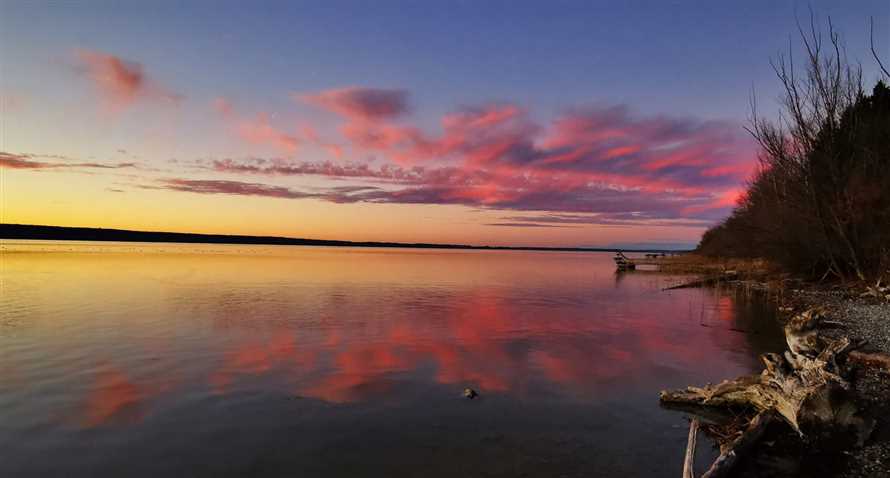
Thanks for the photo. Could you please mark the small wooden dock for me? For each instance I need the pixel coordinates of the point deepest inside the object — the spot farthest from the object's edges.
(625, 263)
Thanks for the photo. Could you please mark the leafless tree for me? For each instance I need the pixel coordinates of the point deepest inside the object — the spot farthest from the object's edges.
(820, 200)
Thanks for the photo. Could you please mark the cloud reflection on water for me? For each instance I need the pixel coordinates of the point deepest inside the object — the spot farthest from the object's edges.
(353, 326)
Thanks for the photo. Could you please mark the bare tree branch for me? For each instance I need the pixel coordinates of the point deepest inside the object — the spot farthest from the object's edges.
(873, 52)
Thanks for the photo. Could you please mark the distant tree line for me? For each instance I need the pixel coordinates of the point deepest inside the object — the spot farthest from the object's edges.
(819, 204)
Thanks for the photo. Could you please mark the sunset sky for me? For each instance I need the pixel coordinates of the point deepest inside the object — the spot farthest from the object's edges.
(501, 123)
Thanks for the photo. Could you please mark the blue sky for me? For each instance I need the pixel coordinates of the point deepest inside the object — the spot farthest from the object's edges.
(687, 64)
(697, 57)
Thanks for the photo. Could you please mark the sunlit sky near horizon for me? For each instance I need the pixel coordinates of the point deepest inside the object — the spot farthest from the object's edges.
(500, 123)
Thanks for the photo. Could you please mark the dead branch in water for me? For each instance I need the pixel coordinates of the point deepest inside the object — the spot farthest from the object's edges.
(739, 447)
(689, 461)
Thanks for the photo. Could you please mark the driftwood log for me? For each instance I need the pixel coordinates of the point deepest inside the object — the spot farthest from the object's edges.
(874, 360)
(706, 281)
(804, 387)
(739, 447)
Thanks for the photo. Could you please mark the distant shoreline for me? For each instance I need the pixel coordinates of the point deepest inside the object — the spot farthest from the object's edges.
(60, 233)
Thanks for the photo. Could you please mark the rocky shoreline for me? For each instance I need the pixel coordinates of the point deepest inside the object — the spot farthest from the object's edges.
(862, 319)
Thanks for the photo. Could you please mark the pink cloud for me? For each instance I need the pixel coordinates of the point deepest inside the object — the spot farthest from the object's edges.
(260, 131)
(723, 200)
(740, 169)
(120, 82)
(477, 134)
(358, 103)
(620, 151)
(600, 161)
(223, 106)
(605, 162)
(367, 112)
(313, 137)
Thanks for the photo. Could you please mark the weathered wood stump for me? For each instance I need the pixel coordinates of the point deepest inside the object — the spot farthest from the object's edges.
(804, 387)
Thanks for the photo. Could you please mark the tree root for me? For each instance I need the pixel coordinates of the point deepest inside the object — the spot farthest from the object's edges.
(803, 387)
(724, 463)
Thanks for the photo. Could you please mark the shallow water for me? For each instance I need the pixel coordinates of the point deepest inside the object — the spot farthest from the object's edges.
(215, 360)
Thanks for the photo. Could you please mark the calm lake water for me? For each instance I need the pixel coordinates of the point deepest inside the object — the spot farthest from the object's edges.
(215, 360)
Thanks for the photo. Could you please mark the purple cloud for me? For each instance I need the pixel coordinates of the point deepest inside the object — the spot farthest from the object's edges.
(359, 103)
(28, 161)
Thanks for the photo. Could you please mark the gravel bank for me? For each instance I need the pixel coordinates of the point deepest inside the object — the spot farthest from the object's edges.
(863, 319)
(867, 321)
(871, 322)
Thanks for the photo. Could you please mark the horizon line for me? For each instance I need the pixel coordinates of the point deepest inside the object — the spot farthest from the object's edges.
(98, 234)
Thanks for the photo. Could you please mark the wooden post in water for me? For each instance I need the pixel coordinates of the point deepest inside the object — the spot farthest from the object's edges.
(689, 461)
